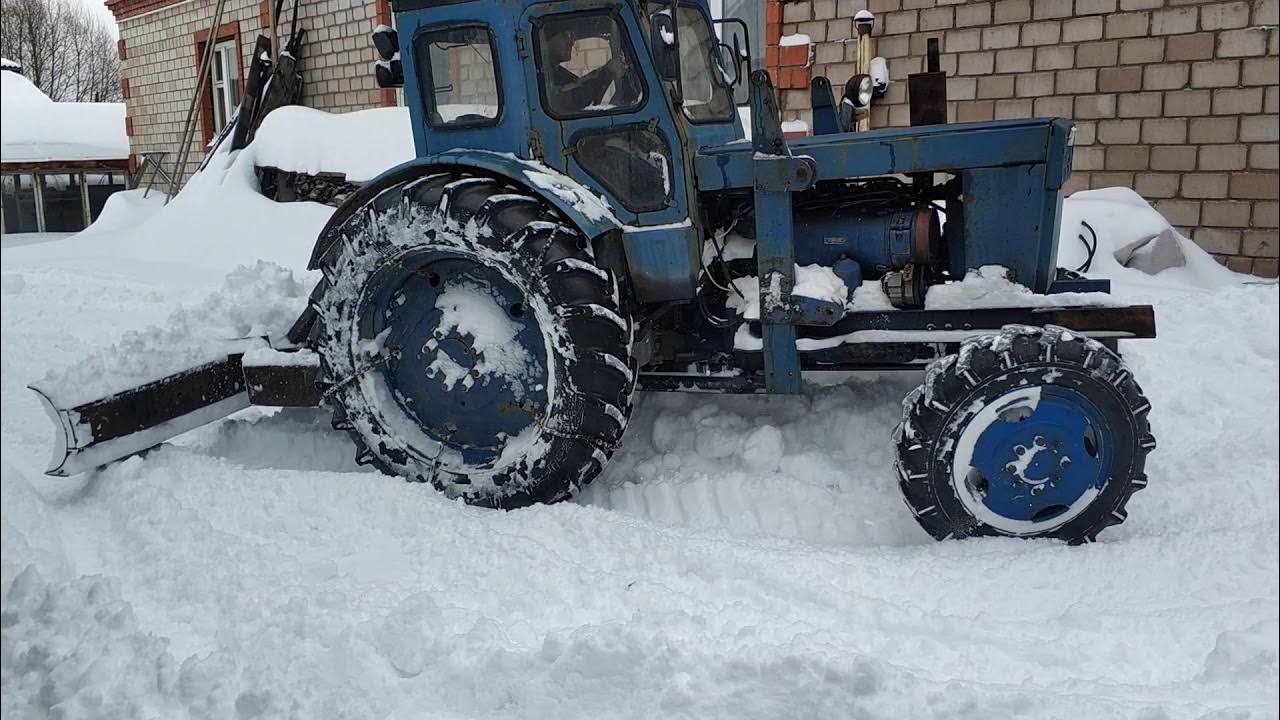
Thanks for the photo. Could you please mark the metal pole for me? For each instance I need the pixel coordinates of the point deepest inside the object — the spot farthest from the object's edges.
(37, 190)
(863, 24)
(188, 128)
(84, 199)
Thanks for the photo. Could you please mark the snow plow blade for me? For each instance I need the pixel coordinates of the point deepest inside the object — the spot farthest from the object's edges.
(112, 428)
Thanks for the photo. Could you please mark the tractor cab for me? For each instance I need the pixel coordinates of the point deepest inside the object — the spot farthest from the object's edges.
(611, 94)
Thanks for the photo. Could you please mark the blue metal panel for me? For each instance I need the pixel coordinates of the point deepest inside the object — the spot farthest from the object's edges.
(1010, 219)
(663, 262)
(1080, 285)
(508, 134)
(776, 261)
(938, 148)
(881, 243)
(826, 120)
(556, 136)
(570, 197)
(586, 217)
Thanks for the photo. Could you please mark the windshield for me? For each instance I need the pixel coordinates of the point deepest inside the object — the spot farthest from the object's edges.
(706, 97)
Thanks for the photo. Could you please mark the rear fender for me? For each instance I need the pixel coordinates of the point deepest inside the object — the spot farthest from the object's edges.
(584, 208)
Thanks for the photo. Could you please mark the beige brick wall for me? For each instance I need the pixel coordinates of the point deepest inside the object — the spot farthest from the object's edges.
(160, 64)
(1177, 99)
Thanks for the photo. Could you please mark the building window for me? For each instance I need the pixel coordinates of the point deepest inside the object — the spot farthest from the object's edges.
(224, 83)
(20, 204)
(56, 201)
(63, 202)
(101, 186)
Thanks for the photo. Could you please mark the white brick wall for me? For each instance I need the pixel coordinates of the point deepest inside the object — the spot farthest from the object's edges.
(1175, 98)
(161, 64)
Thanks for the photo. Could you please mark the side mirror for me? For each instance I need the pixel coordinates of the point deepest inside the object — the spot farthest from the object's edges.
(665, 44)
(386, 41)
(389, 73)
(728, 62)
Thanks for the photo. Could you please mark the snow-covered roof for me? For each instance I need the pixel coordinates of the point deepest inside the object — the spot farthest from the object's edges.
(34, 128)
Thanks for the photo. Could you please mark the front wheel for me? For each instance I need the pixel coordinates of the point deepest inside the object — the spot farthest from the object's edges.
(1035, 432)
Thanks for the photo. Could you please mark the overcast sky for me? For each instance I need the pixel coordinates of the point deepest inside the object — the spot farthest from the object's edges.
(100, 8)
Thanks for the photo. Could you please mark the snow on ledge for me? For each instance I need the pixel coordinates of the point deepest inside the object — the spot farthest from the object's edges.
(795, 39)
(33, 128)
(360, 145)
(795, 126)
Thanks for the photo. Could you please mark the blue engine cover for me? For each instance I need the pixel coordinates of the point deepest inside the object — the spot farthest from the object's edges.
(877, 244)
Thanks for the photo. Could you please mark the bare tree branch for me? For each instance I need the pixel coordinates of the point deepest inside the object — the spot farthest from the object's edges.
(64, 48)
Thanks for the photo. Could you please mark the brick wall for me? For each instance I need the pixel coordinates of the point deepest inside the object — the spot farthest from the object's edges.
(160, 63)
(1177, 99)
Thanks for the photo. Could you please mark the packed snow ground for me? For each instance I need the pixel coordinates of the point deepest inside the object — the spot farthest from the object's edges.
(742, 557)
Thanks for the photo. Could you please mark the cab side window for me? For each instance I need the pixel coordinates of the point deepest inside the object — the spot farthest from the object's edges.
(457, 69)
(586, 65)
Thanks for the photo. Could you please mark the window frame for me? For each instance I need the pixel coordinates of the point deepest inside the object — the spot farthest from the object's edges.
(732, 112)
(426, 83)
(226, 56)
(226, 32)
(608, 186)
(536, 32)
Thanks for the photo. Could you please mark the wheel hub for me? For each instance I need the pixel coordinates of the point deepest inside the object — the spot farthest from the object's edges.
(468, 363)
(1032, 459)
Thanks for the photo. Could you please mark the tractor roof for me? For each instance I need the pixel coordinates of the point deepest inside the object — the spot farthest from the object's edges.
(409, 5)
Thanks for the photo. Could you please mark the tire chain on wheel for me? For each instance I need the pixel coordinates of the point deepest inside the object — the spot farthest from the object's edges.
(935, 413)
(589, 345)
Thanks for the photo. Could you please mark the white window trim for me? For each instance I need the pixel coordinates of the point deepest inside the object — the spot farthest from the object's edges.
(224, 55)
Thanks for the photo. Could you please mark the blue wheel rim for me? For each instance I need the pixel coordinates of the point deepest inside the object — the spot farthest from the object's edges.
(441, 375)
(1037, 465)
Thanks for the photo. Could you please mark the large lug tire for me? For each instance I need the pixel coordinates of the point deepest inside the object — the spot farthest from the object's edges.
(1035, 432)
(469, 340)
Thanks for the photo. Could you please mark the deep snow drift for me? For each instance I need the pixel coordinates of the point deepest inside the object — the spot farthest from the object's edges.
(742, 557)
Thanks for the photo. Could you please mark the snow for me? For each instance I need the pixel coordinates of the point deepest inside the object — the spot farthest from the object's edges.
(467, 309)
(218, 222)
(820, 283)
(592, 206)
(33, 128)
(300, 139)
(265, 355)
(741, 557)
(254, 302)
(795, 126)
(990, 287)
(1120, 217)
(794, 39)
(812, 281)
(128, 208)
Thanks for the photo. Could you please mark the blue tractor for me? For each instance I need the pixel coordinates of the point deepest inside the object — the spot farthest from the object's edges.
(586, 218)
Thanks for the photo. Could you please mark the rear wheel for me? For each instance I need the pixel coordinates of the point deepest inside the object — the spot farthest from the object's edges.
(470, 341)
(1036, 432)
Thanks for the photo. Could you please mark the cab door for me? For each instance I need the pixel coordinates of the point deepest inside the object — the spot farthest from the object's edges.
(598, 113)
